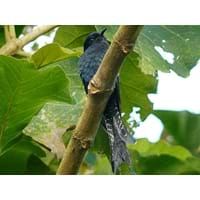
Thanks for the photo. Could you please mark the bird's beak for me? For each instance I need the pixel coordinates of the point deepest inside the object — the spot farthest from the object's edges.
(103, 31)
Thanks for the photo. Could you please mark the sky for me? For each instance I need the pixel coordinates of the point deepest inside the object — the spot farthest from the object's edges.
(173, 93)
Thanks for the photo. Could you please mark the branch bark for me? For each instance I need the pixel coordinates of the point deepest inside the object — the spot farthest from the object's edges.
(99, 90)
(16, 44)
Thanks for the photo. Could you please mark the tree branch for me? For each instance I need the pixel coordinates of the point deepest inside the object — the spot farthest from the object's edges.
(99, 90)
(23, 54)
(12, 46)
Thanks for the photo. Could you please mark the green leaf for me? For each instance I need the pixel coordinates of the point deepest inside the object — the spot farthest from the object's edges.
(162, 158)
(165, 165)
(70, 67)
(183, 126)
(14, 162)
(51, 53)
(101, 143)
(23, 92)
(135, 86)
(36, 167)
(145, 148)
(181, 41)
(27, 144)
(102, 166)
(16, 159)
(52, 121)
(192, 166)
(158, 165)
(72, 36)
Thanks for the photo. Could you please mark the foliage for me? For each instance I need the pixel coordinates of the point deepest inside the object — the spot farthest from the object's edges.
(42, 97)
(183, 128)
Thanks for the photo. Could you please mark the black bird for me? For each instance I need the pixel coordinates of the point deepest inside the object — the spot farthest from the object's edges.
(95, 47)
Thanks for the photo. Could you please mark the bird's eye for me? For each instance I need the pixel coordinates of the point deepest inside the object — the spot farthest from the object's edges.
(92, 39)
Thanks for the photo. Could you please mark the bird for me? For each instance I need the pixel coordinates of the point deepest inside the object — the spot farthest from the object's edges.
(94, 49)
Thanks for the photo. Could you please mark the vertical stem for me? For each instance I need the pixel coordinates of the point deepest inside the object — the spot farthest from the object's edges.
(9, 32)
(12, 32)
(6, 33)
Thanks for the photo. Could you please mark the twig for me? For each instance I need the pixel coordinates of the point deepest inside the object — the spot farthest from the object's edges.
(9, 32)
(12, 32)
(99, 90)
(6, 33)
(23, 54)
(12, 46)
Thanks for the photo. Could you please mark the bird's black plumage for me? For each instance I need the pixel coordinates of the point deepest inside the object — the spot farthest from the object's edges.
(95, 47)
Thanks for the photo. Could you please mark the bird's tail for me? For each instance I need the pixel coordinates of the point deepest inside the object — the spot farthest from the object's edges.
(117, 133)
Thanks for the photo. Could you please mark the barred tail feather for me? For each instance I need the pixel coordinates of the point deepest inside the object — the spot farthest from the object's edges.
(117, 133)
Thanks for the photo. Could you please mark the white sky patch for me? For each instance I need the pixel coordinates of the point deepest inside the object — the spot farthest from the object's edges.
(135, 115)
(151, 128)
(177, 93)
(169, 57)
(163, 41)
(173, 93)
(41, 41)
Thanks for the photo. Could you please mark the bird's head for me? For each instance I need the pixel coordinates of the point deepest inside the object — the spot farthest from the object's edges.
(94, 37)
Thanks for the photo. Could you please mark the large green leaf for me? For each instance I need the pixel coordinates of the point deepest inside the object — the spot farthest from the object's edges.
(17, 158)
(163, 165)
(70, 67)
(162, 158)
(102, 166)
(145, 148)
(23, 92)
(54, 118)
(52, 53)
(51, 123)
(181, 41)
(72, 36)
(135, 86)
(37, 167)
(67, 59)
(183, 126)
